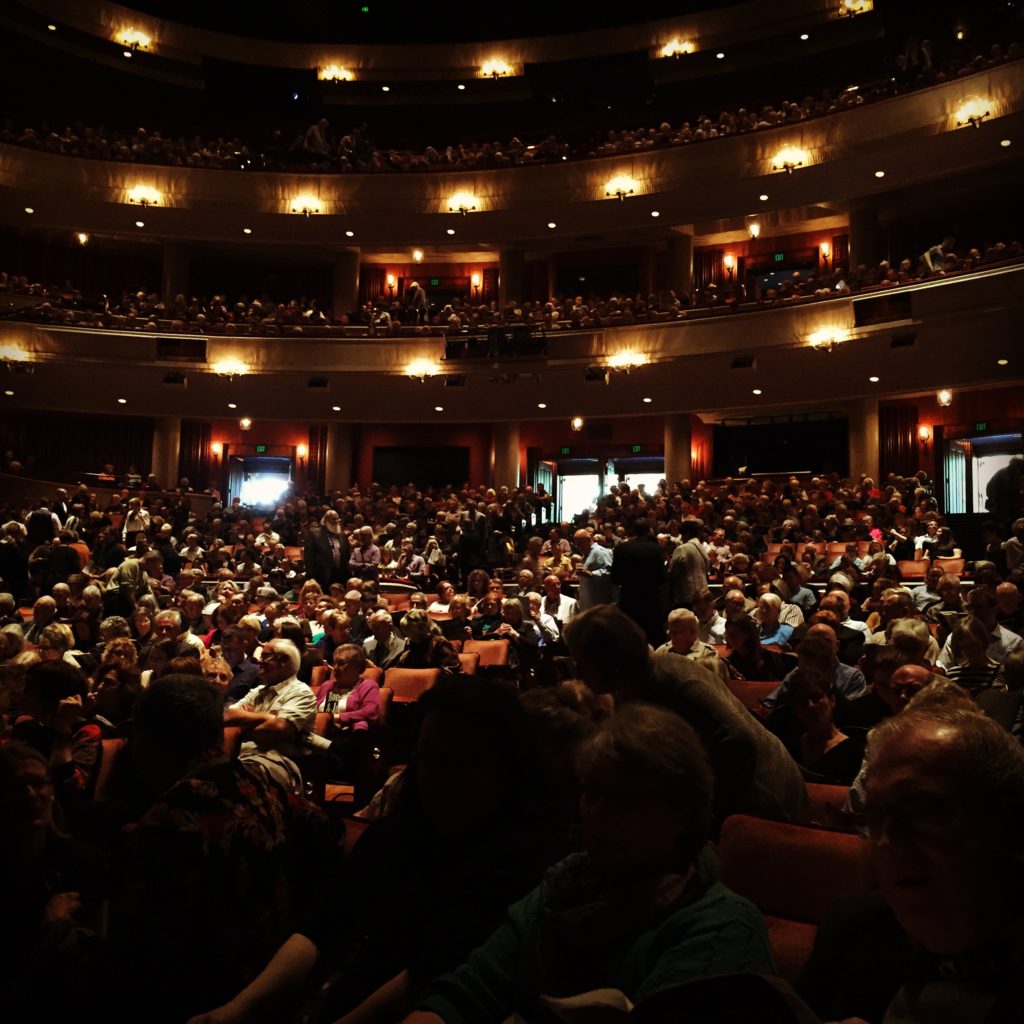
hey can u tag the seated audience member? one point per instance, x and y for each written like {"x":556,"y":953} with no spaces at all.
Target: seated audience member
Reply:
{"x":710,"y":625}
{"x":442,"y":605}
{"x":44,"y":611}
{"x":428,"y":882}
{"x":218,"y":672}
{"x":337,"y":631}
{"x":945,"y":815}
{"x":972,"y":668}
{"x":486,"y":617}
{"x":384,"y":645}
{"x":927,"y":595}
{"x":753,"y":772}
{"x":51,"y":891}
{"x":54,"y":721}
{"x":747,"y":658}
{"x":549,"y":631}
{"x":458,"y":627}
{"x":638,"y":910}
{"x":425,"y":646}
{"x":276,"y":715}
{"x":237,"y":649}
{"x":825,"y":752}
{"x":113,"y":699}
{"x":770,"y":629}
{"x":981,"y":603}
{"x":1010,"y":613}
{"x":817,"y":653}
{"x":214,"y":868}
{"x":352,"y":702}
{"x":682,"y":629}
{"x":950,"y":606}
{"x":830,"y":611}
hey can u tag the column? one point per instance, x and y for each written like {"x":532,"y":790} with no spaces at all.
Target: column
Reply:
{"x":862,"y":432}
{"x":166,"y":451}
{"x":863,"y":238}
{"x":345,"y":282}
{"x":511,"y":275}
{"x":175,"y":270}
{"x":505,"y":455}
{"x":552,"y":276}
{"x":679,"y":260}
{"x":678,"y":439}
{"x":338,"y":461}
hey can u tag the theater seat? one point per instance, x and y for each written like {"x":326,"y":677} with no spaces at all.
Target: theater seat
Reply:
{"x":795,"y":875}
{"x":913,"y":569}
{"x":823,"y":802}
{"x":470,"y":662}
{"x":493,"y":653}
{"x":954,"y":566}
{"x":320,"y":675}
{"x":110,"y":751}
{"x":751,"y":694}
{"x":232,"y":740}
{"x":407,"y":684}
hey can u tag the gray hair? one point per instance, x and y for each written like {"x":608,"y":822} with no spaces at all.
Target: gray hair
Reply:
{"x":281,"y":646}
{"x":911,"y":636}
{"x":169,"y":613}
{"x":682,"y":615}
{"x":770,"y":598}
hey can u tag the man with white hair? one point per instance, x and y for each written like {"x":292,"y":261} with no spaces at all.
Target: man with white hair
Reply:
{"x":770,"y":628}
{"x":327,"y":552}
{"x":683,"y":639}
{"x":595,"y":574}
{"x":364,"y":560}
{"x":384,"y":645}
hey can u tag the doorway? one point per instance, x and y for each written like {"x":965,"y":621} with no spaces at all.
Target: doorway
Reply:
{"x":969,"y":464}
{"x":259,"y":480}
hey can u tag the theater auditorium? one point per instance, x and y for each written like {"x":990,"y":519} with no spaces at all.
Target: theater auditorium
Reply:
{"x":511,"y":515}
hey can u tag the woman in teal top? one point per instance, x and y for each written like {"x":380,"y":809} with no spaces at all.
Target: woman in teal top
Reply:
{"x":639,"y":911}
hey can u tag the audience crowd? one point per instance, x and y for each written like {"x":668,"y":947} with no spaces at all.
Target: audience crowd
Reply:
{"x":184,"y":680}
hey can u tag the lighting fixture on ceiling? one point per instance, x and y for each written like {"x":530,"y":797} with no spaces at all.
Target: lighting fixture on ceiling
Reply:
{"x":82,"y":237}
{"x":417,"y":255}
{"x":305,"y":203}
{"x":334,"y":73}
{"x":144,"y":195}
{"x":826,"y":339}
{"x":421,"y":369}
{"x":626,"y":361}
{"x":676,"y":48}
{"x":245,"y":423}
{"x":972,"y":113}
{"x":754,"y":229}
{"x":620,"y":186}
{"x":495,"y":68}
{"x":230,"y":367}
{"x":944,"y":397}
{"x":576,"y":423}
{"x":462,"y":202}
{"x":789,"y":158}
{"x":757,"y":391}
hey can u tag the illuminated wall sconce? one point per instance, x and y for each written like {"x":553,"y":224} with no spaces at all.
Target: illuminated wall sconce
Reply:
{"x":627,"y":361}
{"x":144,"y":196}
{"x":334,"y":73}
{"x":417,"y":255}
{"x":944,"y":397}
{"x":245,"y":423}
{"x":462,"y":202}
{"x":421,"y":369}
{"x":730,"y":264}
{"x":391,"y":282}
{"x":826,"y":339}
{"x":826,"y":252}
{"x":973,"y":112}
{"x":82,"y":237}
{"x":924,"y":435}
{"x":620,"y":186}
{"x":230,"y":368}
{"x":307,"y":204}
{"x":132,"y":39}
{"x":852,"y":8}
{"x":576,"y":423}
{"x":12,"y":354}
{"x":217,"y":448}
{"x":788,"y":159}
{"x":474,"y":280}
{"x":301,"y":451}
{"x":754,"y":229}
{"x":676,"y":48}
{"x":495,"y":68}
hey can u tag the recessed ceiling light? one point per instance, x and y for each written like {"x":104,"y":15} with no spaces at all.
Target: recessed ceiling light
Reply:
{"x":335,"y":408}
{"x":763,"y":197}
{"x":720,"y":55}
{"x":29,"y":209}
{"x":647,"y":401}
{"x":874,"y":380}
{"x":9,"y":394}
{"x":542,"y":405}
{"x":1002,"y":362}
{"x":52,"y":28}
{"x":879,"y":174}
{"x":655,"y":213}
{"x":122,"y":401}
{"x":552,"y":225}
{"x":1005,"y":143}
{"x":450,"y":231}
{"x":462,"y":88}
{"x":232,"y":405}
{"x":385,"y":88}
{"x":128,"y":54}
{"x":804,"y":36}
{"x":140,"y":223}
{"x":438,"y":408}
{"x":246,"y":231}
{"x":757,"y":391}
{"x":350,"y":234}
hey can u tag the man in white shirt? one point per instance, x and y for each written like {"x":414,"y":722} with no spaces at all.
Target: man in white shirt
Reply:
{"x":595,"y":575}
{"x":445,"y":593}
{"x":548,"y":626}
{"x":556,"y":604}
{"x":982,"y":604}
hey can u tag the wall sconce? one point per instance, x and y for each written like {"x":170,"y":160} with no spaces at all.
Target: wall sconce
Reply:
{"x":826,"y":252}
{"x":306,"y":204}
{"x":391,"y":284}
{"x":475,"y":282}
{"x":788,"y":159}
{"x":754,"y":229}
{"x":973,"y":112}
{"x":421,"y":369}
{"x":852,"y":8}
{"x":417,"y":255}
{"x":462,"y":202}
{"x":924,"y":435}
{"x":944,"y":397}
{"x":495,"y":68}
{"x":245,"y":423}
{"x":12,"y":354}
{"x":133,"y":39}
{"x":217,"y":449}
{"x":676,"y":48}
{"x":627,"y":361}
{"x":302,"y":451}
{"x":230,"y":368}
{"x":620,"y":186}
{"x":144,"y":196}
{"x":576,"y":423}
{"x":82,"y":237}
{"x":825,"y":339}
{"x":334,"y":73}
{"x":730,"y":264}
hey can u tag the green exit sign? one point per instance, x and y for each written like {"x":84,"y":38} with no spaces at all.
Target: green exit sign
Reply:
{"x":981,"y":426}
{"x":636,"y":449}
{"x":564,"y":451}
{"x":778,"y":257}
{"x":435,"y":282}
{"x":261,"y":449}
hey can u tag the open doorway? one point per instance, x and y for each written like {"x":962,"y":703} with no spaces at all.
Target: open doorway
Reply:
{"x":969,"y":465}
{"x":259,"y":480}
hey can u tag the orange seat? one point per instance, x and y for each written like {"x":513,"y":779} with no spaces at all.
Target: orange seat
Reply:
{"x":110,"y":751}
{"x":954,"y":566}
{"x":836,"y":548}
{"x":375,"y":673}
{"x":397,"y":602}
{"x":751,"y":694}
{"x":823,"y":801}
{"x":232,"y":740}
{"x":321,"y":673}
{"x":407,"y":684}
{"x":795,"y":875}
{"x":913,"y":569}
{"x":493,"y":653}
{"x":470,"y":662}
{"x":293,"y":553}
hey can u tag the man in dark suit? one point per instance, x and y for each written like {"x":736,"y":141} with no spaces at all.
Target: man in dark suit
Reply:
{"x":638,"y":567}
{"x":327,"y":551}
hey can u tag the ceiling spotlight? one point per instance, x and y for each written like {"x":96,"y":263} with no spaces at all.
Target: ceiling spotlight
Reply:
{"x":756,"y":391}
{"x":29,"y":209}
{"x":140,"y":223}
{"x":944,"y":397}
{"x":9,"y":393}
{"x":127,"y":54}
{"x":655,"y":213}
{"x":246,"y":231}
{"x":450,"y":231}
{"x":335,"y":408}
{"x":874,"y":380}
{"x":385,"y":88}
{"x":542,"y":405}
{"x":232,"y":405}
{"x":647,"y":401}
{"x":552,"y":225}
{"x":82,"y":238}
{"x":763,"y":197}
{"x":350,"y":234}
{"x":438,"y":408}
{"x":576,"y":423}
{"x":461,"y":87}
{"x":804,"y":37}
{"x":52,"y":28}
{"x":1002,"y":362}
{"x":1005,"y":143}
{"x":122,"y":401}
{"x":720,"y":55}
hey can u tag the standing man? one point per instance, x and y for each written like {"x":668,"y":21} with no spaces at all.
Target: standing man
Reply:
{"x":638,"y":567}
{"x":327,"y":552}
{"x":417,"y":304}
{"x":688,"y":567}
{"x":595,"y":574}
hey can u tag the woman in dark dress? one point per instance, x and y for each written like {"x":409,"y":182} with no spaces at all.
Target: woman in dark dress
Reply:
{"x":747,"y":658}
{"x":824,"y":752}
